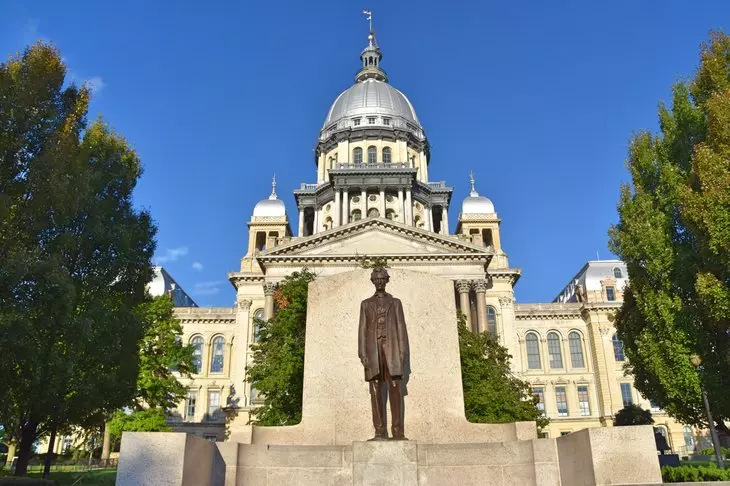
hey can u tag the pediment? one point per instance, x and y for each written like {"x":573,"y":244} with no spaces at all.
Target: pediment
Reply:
{"x":373,"y":237}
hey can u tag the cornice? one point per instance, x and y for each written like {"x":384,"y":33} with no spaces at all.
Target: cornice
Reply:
{"x":205,"y":315}
{"x":549,"y":311}
{"x":392,"y":258}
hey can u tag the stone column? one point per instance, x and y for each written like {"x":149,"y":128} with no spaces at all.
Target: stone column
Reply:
{"x":428,"y":224}
{"x":401,"y":210}
{"x":315,"y":230}
{"x":409,"y":207}
{"x":463,"y":287}
{"x":269,"y":288}
{"x":364,"y":197}
{"x":480,"y":287}
{"x":336,"y":210}
{"x":444,"y":220}
{"x":300,"y":231}
{"x":345,"y":207}
{"x":382,"y":202}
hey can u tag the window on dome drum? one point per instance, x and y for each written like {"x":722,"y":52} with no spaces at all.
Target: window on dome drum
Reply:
{"x":540,"y":394}
{"x":190,"y":404}
{"x":386,"y":121}
{"x":357,"y":156}
{"x":389,"y":214}
{"x":556,"y":355}
{"x":576,"y":350}
{"x":386,"y":155}
{"x":532,"y":344}
{"x":356,"y":122}
{"x":372,"y":155}
{"x":356,"y":215}
{"x":214,"y":401}
{"x":216,"y":363}
{"x":583,"y":403}
{"x":617,"y":273}
{"x":626,"y":394}
{"x":371,"y":120}
{"x":561,"y":400}
{"x":610,"y":294}
{"x":491,"y":320}
{"x":618,"y":348}
{"x":197,"y":343}
{"x":258,"y":316}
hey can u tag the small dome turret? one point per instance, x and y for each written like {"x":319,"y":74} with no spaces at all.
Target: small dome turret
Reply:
{"x":271,"y":207}
{"x":476,"y":204}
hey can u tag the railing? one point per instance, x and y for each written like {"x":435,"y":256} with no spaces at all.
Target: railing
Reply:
{"x":382,"y":165}
{"x":547,"y":307}
{"x":437,"y":185}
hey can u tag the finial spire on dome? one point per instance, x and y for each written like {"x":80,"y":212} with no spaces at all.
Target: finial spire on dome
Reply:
{"x":474,"y":192}
{"x":273,"y":188}
{"x":371,"y":56}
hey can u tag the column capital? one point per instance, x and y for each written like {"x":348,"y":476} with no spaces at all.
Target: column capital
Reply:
{"x":506,"y":301}
{"x":463,"y":286}
{"x":480,"y":285}
{"x":269,"y":288}
{"x":244,"y":304}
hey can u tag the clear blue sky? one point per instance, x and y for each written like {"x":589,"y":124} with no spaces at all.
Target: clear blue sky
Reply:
{"x":538,"y":98}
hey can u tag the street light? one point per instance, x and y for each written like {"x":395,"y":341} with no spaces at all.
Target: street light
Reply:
{"x":696,"y":362}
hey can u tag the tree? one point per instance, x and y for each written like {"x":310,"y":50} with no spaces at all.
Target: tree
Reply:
{"x":277,"y":371}
{"x":632,"y":415}
{"x":492,"y":394}
{"x":149,"y":420}
{"x":674,"y":235}
{"x":75,"y":255}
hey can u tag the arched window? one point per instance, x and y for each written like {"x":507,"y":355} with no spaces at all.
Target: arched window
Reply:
{"x":532,"y":343}
{"x":372,"y":155}
{"x":617,"y":273}
{"x":618,"y":348}
{"x":373,"y":213}
{"x":576,"y":350}
{"x":356,"y":215}
{"x":216,"y":362}
{"x":386,"y":155}
{"x":258,"y":318}
{"x":556,"y":355}
{"x":357,"y":156}
{"x":491,"y":320}
{"x":197,"y":343}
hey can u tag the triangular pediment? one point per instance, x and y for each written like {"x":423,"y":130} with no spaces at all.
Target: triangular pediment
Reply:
{"x":375,"y":236}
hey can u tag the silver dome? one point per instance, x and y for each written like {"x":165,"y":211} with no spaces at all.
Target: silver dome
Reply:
{"x":477,"y":205}
{"x":269,"y":208}
{"x":371,"y":97}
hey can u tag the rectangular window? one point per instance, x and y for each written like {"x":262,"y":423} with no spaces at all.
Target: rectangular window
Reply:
{"x":210,"y":438}
{"x":610,"y":294}
{"x":562,"y":400}
{"x":654,"y":406}
{"x":371,"y":120}
{"x":214,"y":402}
{"x":583,"y":403}
{"x":386,"y":122}
{"x":564,"y":432}
{"x":356,"y":122}
{"x":626,"y":394}
{"x":190,"y":404}
{"x":539,"y":393}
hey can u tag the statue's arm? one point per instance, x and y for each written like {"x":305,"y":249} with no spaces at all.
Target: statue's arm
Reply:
{"x":402,"y":331}
{"x":361,"y":335}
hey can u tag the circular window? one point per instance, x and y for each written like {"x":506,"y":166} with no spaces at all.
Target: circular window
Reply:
{"x":356,"y":199}
{"x":327,"y":208}
{"x":373,"y":198}
{"x":389,"y":198}
{"x":418,"y":206}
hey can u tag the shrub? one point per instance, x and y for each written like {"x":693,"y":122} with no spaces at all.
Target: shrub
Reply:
{"x":724,"y":452}
{"x":692,"y":474}
{"x":20,"y":481}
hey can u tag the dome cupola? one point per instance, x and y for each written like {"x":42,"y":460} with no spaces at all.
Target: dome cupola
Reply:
{"x":271,"y":207}
{"x":476,"y":204}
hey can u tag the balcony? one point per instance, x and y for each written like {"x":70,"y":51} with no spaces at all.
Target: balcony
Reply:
{"x":382,"y":165}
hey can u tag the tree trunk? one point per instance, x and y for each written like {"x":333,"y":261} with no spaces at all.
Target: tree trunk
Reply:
{"x":49,"y":455}
{"x":11,"y":455}
{"x":106,"y":446}
{"x":27,"y":438}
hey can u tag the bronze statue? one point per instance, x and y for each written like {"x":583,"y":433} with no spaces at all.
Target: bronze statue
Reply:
{"x":383,"y":348}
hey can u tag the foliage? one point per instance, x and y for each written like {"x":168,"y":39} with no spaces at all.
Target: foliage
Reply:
{"x":632,"y":415}
{"x":277,"y":371}
{"x":374,"y":262}
{"x":75,"y":252}
{"x":674,"y":235}
{"x":693,"y":474}
{"x":162,"y":356}
{"x":724,"y":452}
{"x":150,"y":420}
{"x":27,"y":482}
{"x":101,"y":477}
{"x":492,"y":394}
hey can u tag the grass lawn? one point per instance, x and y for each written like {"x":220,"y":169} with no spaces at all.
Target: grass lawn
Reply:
{"x":100,"y":477}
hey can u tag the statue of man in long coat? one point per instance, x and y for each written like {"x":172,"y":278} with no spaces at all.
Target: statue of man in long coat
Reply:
{"x":382,"y":348}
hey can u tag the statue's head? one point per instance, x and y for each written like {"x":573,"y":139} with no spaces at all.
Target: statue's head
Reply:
{"x":379,"y":278}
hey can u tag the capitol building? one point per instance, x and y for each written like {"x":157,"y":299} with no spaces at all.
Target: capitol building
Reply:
{"x":372,"y":196}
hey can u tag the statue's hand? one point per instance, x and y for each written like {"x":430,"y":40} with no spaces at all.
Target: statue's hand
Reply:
{"x":364,"y":361}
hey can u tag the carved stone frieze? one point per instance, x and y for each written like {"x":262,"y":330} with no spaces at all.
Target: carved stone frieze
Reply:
{"x":481,"y":285}
{"x":244,"y":304}
{"x":463,"y":286}
{"x":605,"y":330}
{"x":269,"y":288}
{"x":506,"y":302}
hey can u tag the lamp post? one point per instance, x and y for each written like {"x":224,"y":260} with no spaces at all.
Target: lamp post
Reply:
{"x":697,"y":362}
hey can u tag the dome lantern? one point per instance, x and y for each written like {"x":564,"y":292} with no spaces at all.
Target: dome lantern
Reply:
{"x":271,"y":207}
{"x":476,"y":204}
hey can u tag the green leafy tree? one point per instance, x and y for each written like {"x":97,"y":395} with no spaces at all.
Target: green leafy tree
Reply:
{"x":492,"y":394}
{"x":75,"y":255}
{"x":149,"y":420}
{"x":674,"y":235}
{"x":633,"y":415}
{"x":277,"y":371}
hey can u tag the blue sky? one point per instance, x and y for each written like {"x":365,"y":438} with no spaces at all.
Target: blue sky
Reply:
{"x":538,"y":98}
